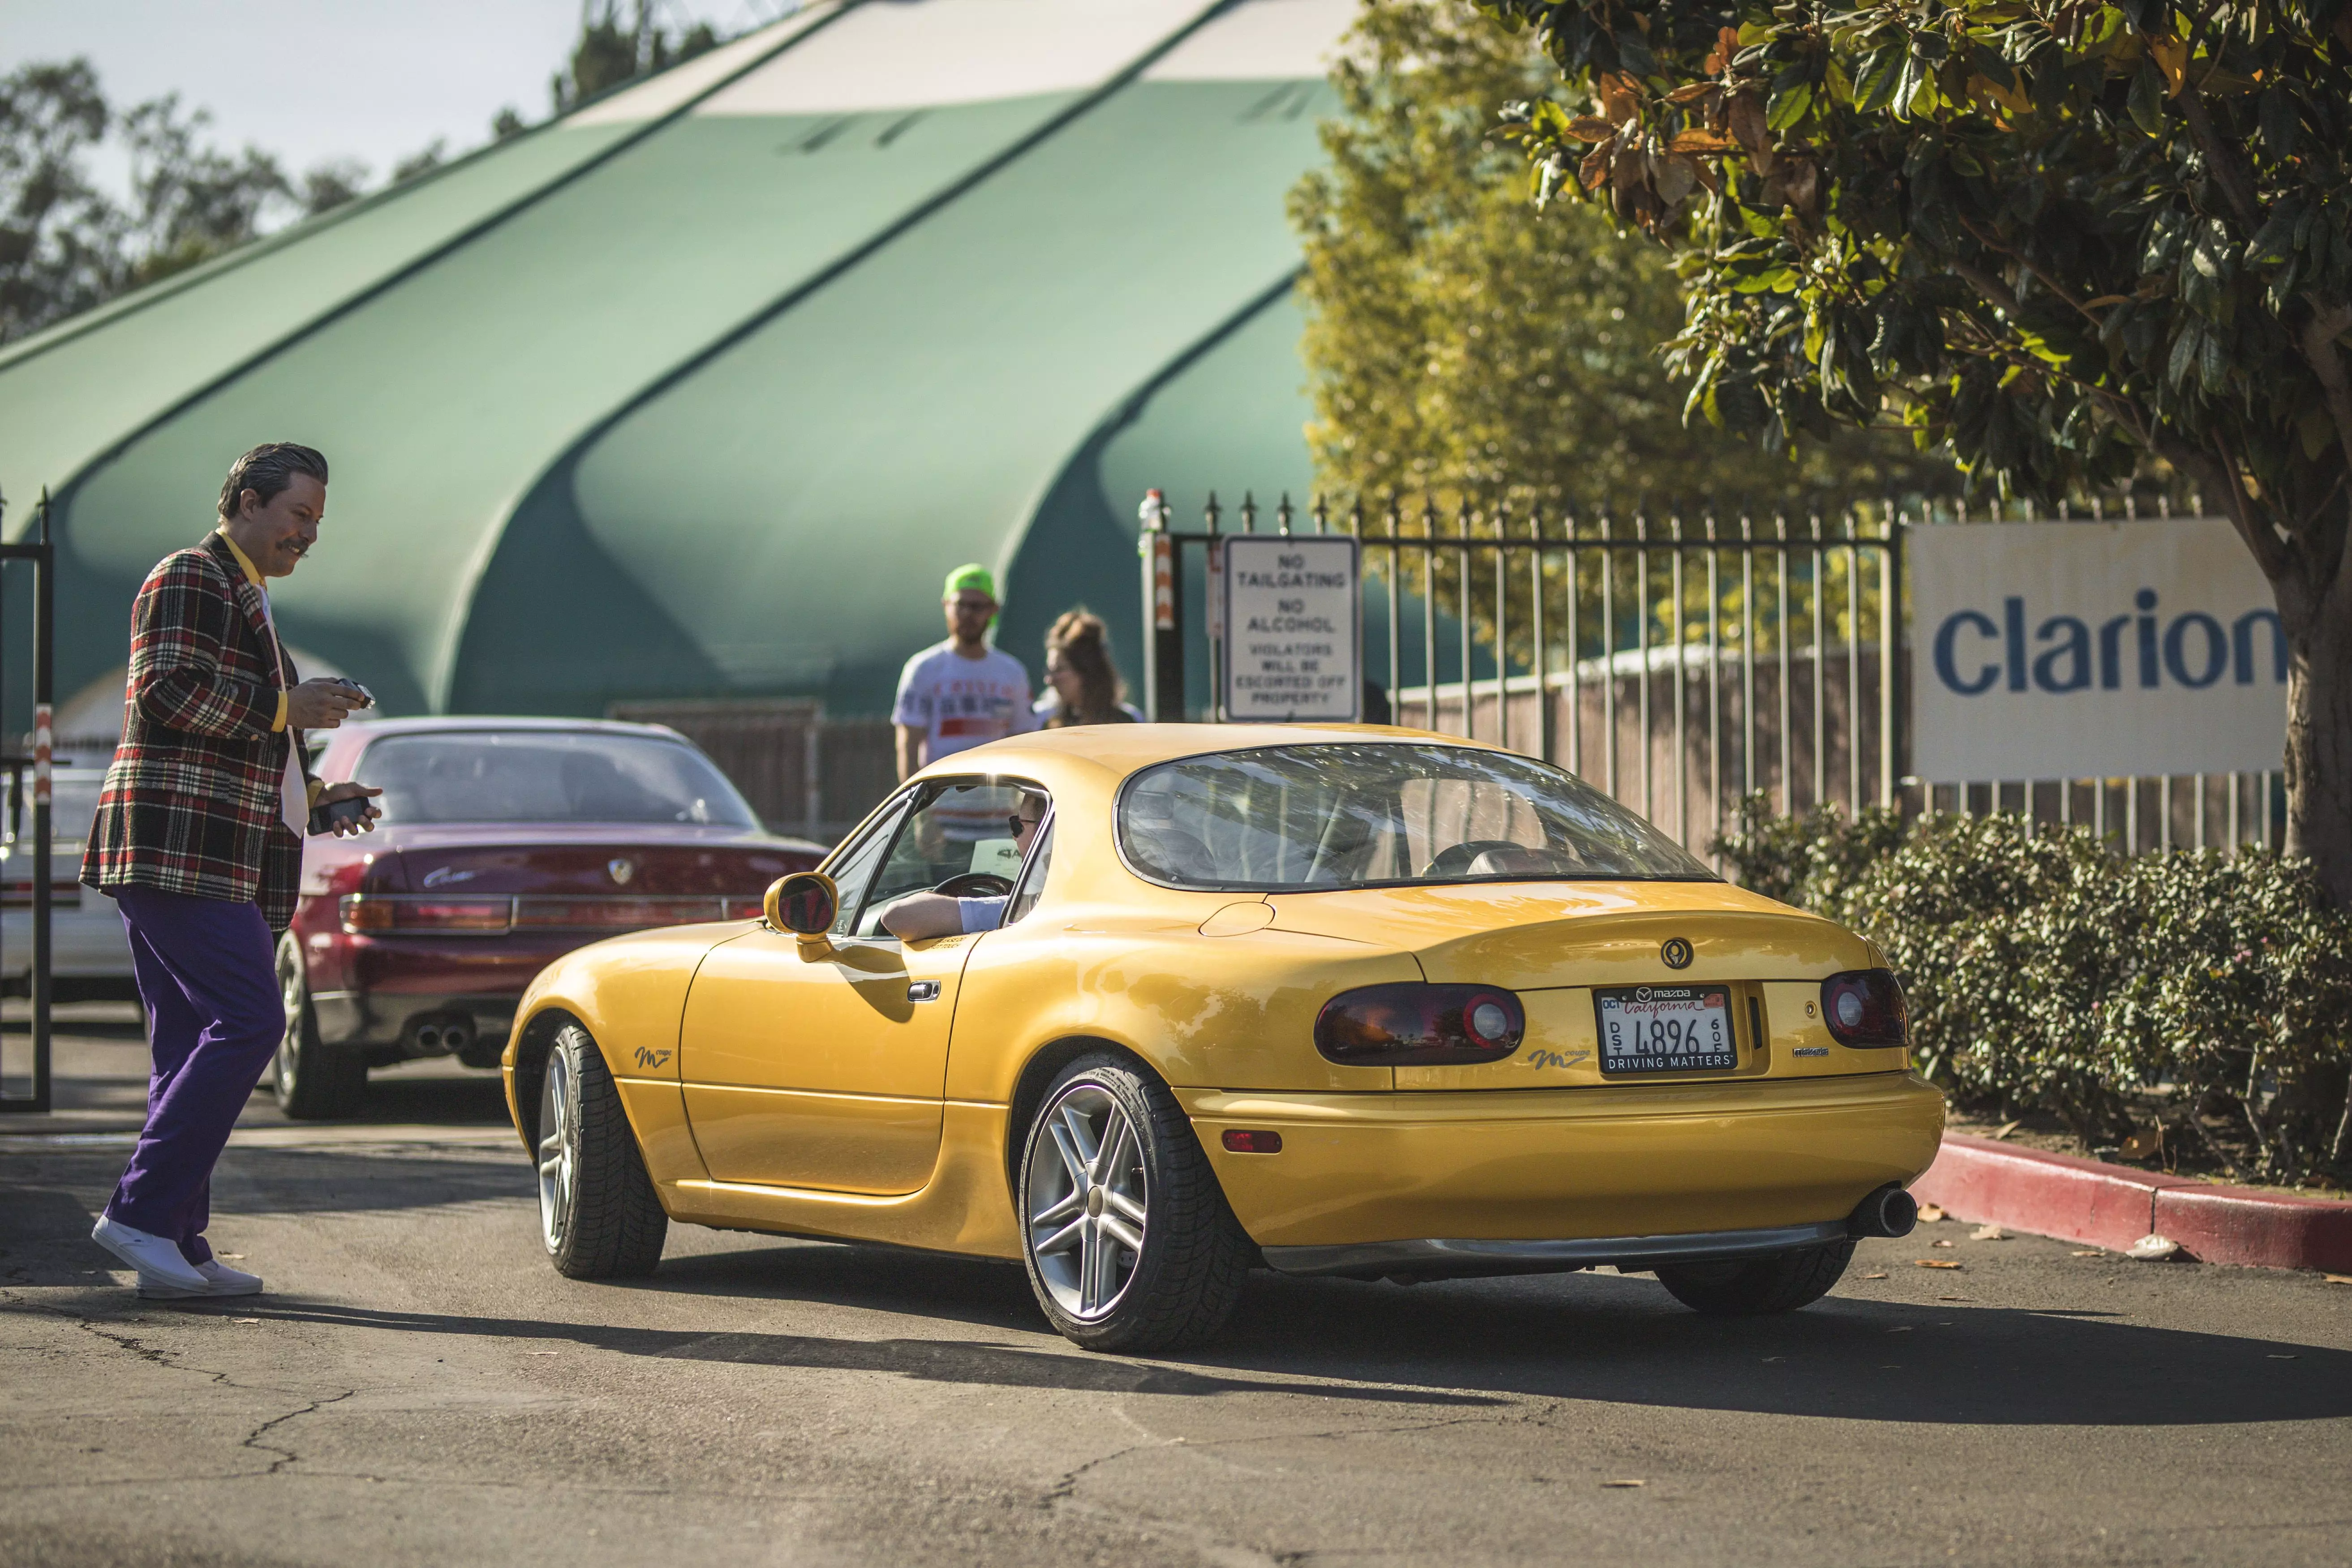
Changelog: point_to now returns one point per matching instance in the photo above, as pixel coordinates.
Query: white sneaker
(151, 1256)
(220, 1279)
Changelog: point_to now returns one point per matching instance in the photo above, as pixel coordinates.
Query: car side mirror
(803, 903)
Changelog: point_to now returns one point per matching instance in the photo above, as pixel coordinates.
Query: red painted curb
(2111, 1206)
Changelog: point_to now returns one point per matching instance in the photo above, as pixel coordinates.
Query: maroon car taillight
(381, 912)
(1863, 1008)
(1414, 1024)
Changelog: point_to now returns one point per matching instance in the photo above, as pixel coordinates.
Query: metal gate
(1677, 663)
(41, 554)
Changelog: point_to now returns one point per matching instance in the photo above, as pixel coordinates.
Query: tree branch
(2230, 175)
(2027, 262)
(2326, 361)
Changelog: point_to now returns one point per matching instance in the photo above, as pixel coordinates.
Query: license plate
(1665, 1028)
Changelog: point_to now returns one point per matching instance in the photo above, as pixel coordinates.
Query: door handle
(922, 991)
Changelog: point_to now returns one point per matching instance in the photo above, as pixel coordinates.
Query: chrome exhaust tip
(1889, 1212)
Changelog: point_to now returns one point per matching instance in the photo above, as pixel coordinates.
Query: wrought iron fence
(1676, 662)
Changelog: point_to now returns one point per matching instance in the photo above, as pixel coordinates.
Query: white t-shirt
(960, 702)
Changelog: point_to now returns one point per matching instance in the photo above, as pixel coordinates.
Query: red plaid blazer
(191, 803)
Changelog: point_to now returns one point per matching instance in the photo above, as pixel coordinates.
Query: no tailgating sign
(2047, 650)
(1292, 633)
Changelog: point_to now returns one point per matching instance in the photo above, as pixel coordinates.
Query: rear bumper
(388, 1019)
(1469, 1259)
(1621, 1163)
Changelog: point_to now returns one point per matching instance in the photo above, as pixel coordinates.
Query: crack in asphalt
(286, 1456)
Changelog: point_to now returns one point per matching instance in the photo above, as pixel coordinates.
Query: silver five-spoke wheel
(1088, 1208)
(558, 1144)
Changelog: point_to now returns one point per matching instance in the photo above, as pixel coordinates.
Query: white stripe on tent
(1261, 40)
(914, 54)
(681, 84)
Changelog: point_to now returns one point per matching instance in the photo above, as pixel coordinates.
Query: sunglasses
(1017, 824)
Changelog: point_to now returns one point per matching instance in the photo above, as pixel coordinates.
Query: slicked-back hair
(267, 469)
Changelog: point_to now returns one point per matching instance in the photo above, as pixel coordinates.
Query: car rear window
(1375, 814)
(548, 775)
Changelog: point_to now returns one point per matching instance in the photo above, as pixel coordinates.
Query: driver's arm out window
(957, 828)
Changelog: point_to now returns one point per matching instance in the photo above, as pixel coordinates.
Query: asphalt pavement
(418, 1386)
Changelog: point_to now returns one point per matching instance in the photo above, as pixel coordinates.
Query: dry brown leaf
(1696, 89)
(2006, 1128)
(1620, 98)
(1624, 1483)
(1882, 1276)
(2088, 1252)
(1951, 1297)
(1726, 48)
(1700, 142)
(2337, 1278)
(1748, 127)
(1595, 167)
(1943, 1244)
(1934, 1263)
(1930, 1213)
(1987, 1233)
(1590, 127)
(2143, 1145)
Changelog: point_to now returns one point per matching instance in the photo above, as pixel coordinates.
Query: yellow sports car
(1342, 1001)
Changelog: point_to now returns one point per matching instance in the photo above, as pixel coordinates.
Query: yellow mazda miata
(1342, 1001)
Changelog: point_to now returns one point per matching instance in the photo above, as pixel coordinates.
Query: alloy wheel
(557, 1146)
(1088, 1206)
(291, 992)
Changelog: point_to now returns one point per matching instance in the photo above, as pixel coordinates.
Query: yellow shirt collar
(252, 576)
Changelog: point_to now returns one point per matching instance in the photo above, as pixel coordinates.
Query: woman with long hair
(1084, 685)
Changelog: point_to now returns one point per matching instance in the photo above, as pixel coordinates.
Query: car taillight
(395, 912)
(1863, 1008)
(1414, 1024)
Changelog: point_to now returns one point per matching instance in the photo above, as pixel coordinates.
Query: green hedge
(2046, 973)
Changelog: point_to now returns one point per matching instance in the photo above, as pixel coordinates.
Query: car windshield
(1300, 817)
(548, 775)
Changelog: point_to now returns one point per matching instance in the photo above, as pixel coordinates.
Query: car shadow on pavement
(1623, 1340)
(925, 1359)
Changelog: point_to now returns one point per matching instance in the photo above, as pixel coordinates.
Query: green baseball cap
(973, 578)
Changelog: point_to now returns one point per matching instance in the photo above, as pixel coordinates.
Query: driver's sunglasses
(1015, 823)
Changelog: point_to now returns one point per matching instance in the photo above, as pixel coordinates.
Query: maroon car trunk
(419, 940)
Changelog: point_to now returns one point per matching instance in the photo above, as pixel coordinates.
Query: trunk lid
(1555, 943)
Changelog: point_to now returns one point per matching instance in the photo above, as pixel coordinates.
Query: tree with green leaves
(1460, 351)
(2060, 236)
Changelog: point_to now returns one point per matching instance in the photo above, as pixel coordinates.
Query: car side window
(1032, 876)
(855, 873)
(961, 837)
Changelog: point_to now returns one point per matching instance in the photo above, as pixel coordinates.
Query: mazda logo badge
(1676, 953)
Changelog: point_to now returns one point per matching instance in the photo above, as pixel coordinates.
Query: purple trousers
(208, 979)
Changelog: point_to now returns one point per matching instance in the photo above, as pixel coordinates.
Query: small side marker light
(1244, 1142)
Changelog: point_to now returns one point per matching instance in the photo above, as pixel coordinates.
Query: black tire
(310, 1081)
(1185, 1278)
(599, 1216)
(1757, 1286)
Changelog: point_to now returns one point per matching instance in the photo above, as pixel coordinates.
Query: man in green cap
(961, 693)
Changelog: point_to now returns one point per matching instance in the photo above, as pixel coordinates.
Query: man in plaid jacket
(198, 839)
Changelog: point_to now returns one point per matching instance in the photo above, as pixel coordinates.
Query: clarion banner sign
(1291, 628)
(2053, 650)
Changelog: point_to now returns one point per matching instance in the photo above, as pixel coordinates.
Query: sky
(316, 80)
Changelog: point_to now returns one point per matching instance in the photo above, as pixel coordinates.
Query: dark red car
(504, 843)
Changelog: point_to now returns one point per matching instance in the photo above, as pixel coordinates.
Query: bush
(2046, 973)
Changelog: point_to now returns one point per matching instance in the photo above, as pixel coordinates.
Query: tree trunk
(2319, 736)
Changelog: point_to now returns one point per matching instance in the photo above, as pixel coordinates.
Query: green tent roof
(698, 391)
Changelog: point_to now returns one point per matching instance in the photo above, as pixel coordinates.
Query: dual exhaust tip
(443, 1035)
(1889, 1212)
